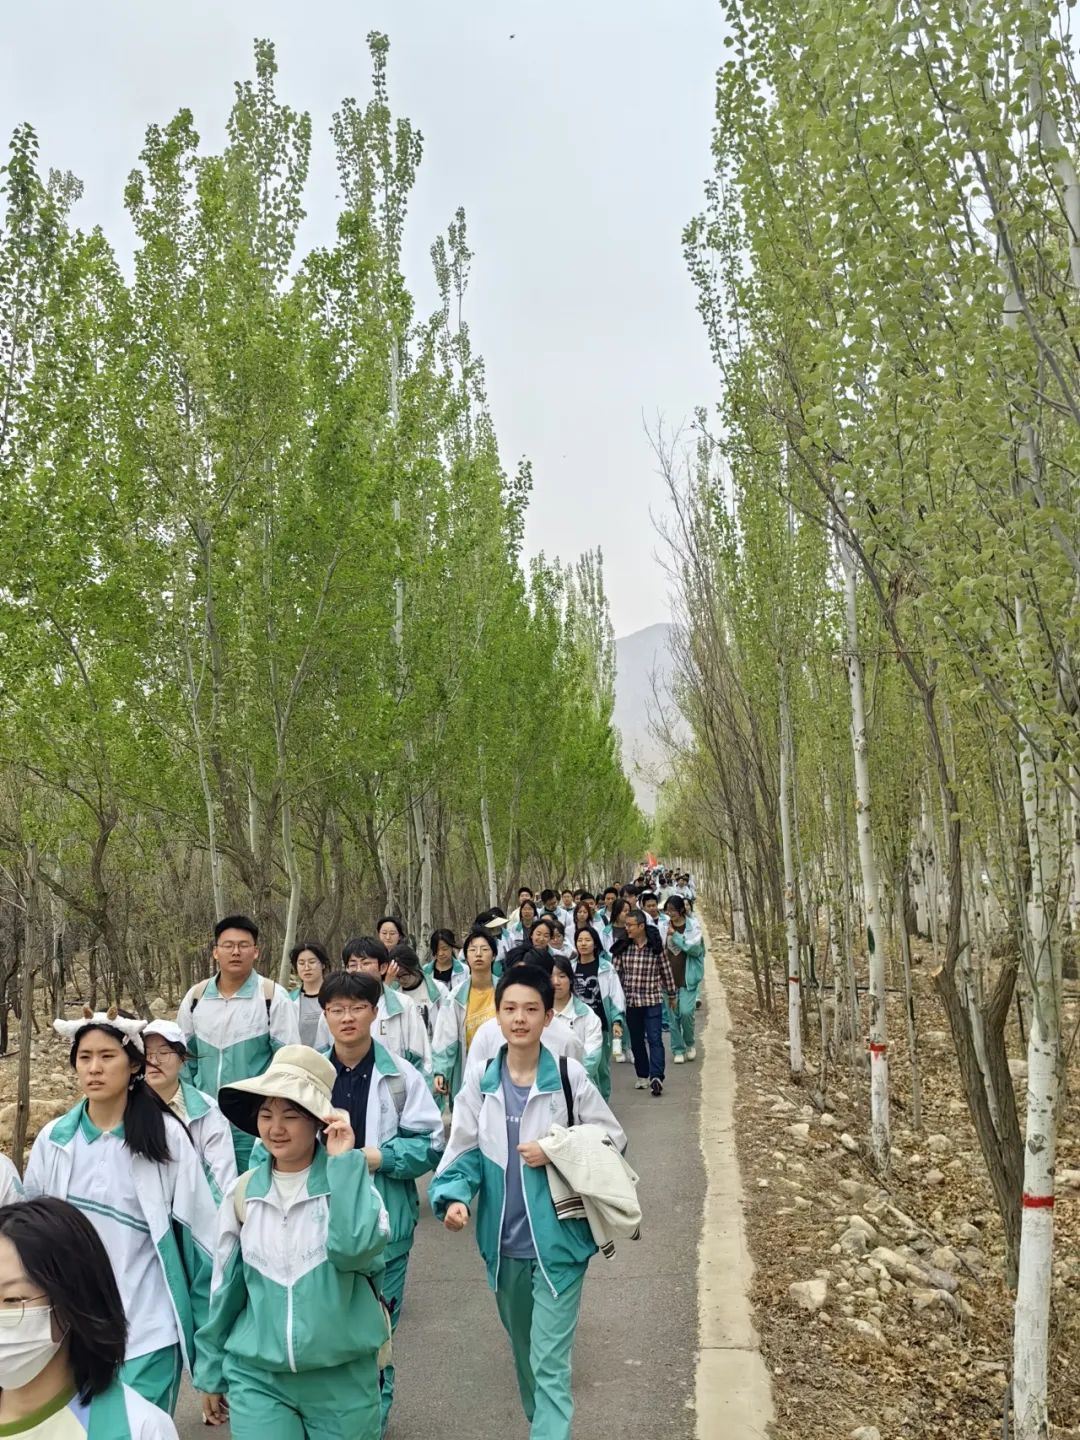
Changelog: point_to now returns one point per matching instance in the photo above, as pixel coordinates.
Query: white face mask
(26, 1348)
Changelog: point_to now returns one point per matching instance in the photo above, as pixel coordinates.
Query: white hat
(168, 1030)
(129, 1030)
(297, 1073)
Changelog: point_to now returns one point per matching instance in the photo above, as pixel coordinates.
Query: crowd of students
(250, 1168)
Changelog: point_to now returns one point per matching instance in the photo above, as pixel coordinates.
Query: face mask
(26, 1348)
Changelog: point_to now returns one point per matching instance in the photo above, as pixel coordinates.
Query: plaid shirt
(646, 978)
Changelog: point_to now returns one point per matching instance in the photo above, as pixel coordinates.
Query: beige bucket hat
(297, 1073)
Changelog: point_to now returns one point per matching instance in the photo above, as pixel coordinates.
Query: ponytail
(144, 1122)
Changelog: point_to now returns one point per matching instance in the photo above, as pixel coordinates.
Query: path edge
(733, 1390)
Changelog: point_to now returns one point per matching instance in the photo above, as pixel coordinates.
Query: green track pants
(541, 1327)
(340, 1402)
(156, 1376)
(682, 1021)
(392, 1286)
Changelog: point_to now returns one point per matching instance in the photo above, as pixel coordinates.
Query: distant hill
(638, 657)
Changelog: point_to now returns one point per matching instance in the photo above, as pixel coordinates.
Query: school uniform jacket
(234, 1039)
(585, 1025)
(296, 1290)
(399, 1027)
(558, 1037)
(474, 1166)
(692, 943)
(118, 1413)
(212, 1134)
(176, 1207)
(411, 1142)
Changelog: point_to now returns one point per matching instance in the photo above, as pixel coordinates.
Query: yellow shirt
(481, 1008)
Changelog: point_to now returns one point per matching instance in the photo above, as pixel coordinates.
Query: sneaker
(691, 1054)
(657, 1087)
(641, 1084)
(679, 1059)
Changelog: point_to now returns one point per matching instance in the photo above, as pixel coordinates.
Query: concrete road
(635, 1356)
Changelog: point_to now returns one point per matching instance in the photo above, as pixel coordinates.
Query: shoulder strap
(239, 1197)
(568, 1093)
(396, 1085)
(268, 995)
(198, 991)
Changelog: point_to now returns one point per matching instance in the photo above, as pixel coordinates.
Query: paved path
(636, 1371)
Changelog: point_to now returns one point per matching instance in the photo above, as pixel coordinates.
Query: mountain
(639, 658)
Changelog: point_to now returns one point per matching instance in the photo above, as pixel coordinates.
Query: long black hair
(145, 1112)
(63, 1256)
(598, 944)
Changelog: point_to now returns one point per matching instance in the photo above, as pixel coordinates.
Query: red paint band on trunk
(1038, 1202)
(877, 1049)
(793, 979)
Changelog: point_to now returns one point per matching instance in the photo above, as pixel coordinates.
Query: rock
(1070, 1179)
(800, 1130)
(869, 1332)
(1018, 1069)
(866, 1432)
(843, 1287)
(41, 1111)
(939, 1144)
(854, 1241)
(945, 1258)
(892, 1261)
(856, 1190)
(809, 1294)
(865, 1274)
(158, 1008)
(849, 1144)
(933, 1177)
(856, 1222)
(941, 1279)
(967, 1231)
(940, 1299)
(829, 1121)
(782, 1107)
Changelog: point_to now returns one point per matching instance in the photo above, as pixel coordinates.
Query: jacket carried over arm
(474, 1166)
(691, 941)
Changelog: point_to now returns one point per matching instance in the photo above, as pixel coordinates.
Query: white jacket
(559, 1038)
(589, 1177)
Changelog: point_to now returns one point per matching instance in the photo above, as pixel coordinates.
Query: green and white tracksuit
(558, 1037)
(448, 1042)
(538, 1299)
(691, 942)
(459, 971)
(234, 1037)
(399, 1027)
(409, 1132)
(158, 1223)
(614, 1003)
(118, 1413)
(295, 1322)
(11, 1187)
(211, 1132)
(585, 1024)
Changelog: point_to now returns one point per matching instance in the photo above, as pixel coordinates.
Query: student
(123, 1158)
(291, 1346)
(394, 1120)
(390, 931)
(685, 947)
(559, 943)
(312, 965)
(467, 1008)
(517, 932)
(524, 893)
(558, 1037)
(444, 967)
(163, 1041)
(579, 1016)
(62, 1332)
(425, 993)
(549, 900)
(646, 977)
(535, 1262)
(610, 895)
(234, 1021)
(541, 935)
(565, 910)
(657, 919)
(596, 982)
(400, 1026)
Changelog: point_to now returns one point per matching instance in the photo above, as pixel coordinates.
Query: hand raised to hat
(339, 1137)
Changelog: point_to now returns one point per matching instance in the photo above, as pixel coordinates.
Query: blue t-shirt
(516, 1241)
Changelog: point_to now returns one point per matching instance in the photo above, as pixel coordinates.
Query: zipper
(528, 1213)
(289, 1327)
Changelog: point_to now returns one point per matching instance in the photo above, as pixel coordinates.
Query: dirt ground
(913, 1358)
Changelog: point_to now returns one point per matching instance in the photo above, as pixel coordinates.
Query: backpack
(385, 1354)
(199, 990)
(567, 1090)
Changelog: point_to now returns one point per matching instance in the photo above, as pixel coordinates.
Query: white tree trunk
(791, 924)
(1032, 1312)
(292, 868)
(875, 935)
(1074, 884)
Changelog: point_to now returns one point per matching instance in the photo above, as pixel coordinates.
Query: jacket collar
(195, 1102)
(547, 1081)
(247, 989)
(262, 1177)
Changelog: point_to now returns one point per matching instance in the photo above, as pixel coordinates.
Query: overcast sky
(574, 132)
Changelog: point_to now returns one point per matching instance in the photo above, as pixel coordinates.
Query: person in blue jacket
(685, 947)
(536, 1263)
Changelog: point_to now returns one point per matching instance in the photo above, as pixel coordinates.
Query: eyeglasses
(232, 947)
(11, 1311)
(347, 1012)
